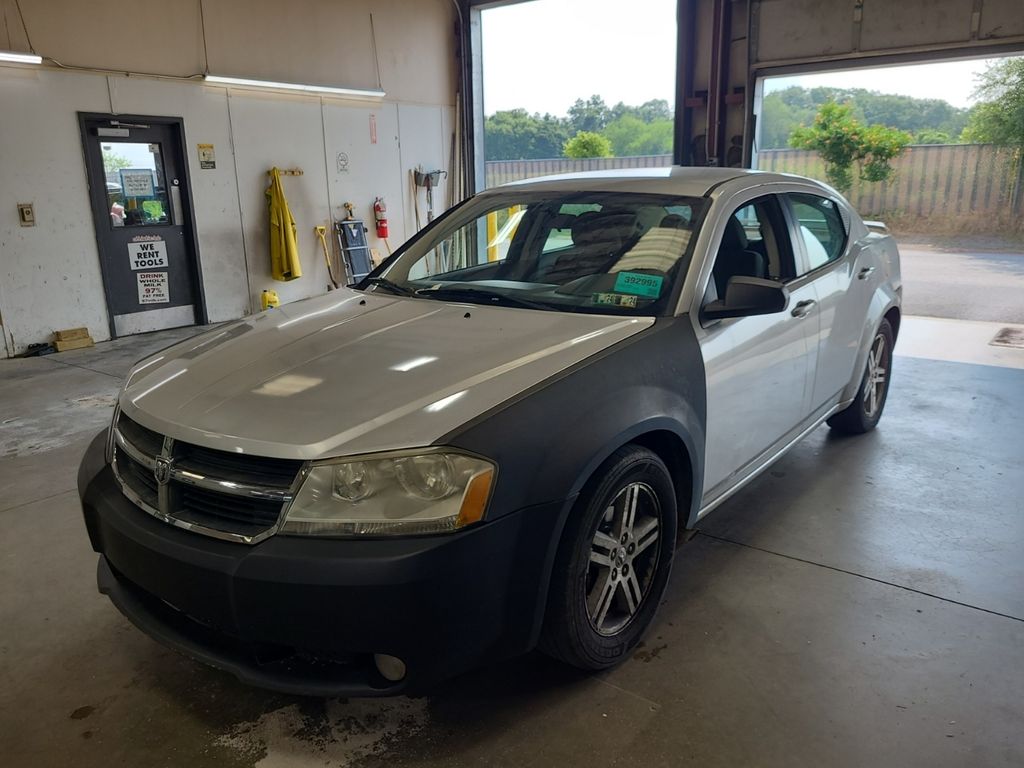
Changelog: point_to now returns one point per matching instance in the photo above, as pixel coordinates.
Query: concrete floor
(861, 604)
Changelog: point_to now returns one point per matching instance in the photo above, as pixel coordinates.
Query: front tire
(613, 563)
(863, 413)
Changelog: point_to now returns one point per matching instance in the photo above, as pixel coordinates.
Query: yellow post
(512, 212)
(492, 233)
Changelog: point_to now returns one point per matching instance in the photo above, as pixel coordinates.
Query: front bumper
(305, 615)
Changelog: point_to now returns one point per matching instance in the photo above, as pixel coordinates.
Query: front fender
(551, 439)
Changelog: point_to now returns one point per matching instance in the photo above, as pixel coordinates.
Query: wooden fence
(941, 187)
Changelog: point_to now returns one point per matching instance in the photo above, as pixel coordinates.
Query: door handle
(864, 273)
(803, 308)
(176, 204)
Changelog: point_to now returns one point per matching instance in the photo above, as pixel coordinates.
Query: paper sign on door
(153, 288)
(147, 255)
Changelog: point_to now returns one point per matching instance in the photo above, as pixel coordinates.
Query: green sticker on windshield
(639, 284)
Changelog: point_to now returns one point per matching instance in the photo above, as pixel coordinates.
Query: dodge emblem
(162, 470)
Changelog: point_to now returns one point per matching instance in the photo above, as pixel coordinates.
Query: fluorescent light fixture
(21, 58)
(359, 93)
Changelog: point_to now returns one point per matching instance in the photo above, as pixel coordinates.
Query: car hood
(350, 373)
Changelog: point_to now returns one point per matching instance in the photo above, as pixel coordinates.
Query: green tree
(630, 136)
(588, 144)
(932, 136)
(113, 161)
(591, 115)
(783, 111)
(842, 140)
(999, 117)
(648, 112)
(517, 135)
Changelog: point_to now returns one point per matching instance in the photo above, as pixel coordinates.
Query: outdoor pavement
(963, 284)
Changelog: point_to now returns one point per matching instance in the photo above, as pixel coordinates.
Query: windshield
(593, 252)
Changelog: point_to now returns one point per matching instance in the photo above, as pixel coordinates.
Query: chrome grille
(226, 495)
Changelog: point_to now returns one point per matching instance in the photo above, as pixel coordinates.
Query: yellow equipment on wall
(284, 247)
(269, 300)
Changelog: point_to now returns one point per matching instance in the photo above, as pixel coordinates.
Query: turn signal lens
(474, 501)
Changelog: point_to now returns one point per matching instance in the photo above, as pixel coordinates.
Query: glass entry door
(140, 202)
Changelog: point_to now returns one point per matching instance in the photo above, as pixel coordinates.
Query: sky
(952, 81)
(543, 55)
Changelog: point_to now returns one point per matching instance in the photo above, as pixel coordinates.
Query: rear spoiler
(877, 226)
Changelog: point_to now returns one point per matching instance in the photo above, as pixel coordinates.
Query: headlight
(397, 494)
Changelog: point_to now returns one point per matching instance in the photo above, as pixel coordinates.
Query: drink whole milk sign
(147, 252)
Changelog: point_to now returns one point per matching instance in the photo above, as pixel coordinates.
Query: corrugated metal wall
(966, 184)
(931, 181)
(503, 171)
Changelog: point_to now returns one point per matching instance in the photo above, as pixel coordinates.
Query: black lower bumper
(304, 615)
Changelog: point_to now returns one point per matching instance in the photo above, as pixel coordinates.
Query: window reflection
(136, 185)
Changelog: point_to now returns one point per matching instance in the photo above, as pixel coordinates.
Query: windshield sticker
(614, 300)
(642, 285)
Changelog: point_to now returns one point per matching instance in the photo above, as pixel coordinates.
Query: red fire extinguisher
(380, 214)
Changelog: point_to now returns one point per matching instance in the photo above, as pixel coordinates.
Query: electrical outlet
(26, 215)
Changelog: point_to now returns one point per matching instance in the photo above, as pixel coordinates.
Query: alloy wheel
(623, 558)
(876, 376)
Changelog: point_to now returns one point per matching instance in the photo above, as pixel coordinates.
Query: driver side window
(754, 244)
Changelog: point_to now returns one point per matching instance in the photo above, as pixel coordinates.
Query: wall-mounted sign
(153, 288)
(373, 129)
(342, 162)
(147, 255)
(137, 182)
(207, 158)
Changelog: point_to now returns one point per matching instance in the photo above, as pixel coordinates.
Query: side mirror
(745, 296)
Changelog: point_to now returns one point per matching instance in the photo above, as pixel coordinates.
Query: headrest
(734, 238)
(611, 228)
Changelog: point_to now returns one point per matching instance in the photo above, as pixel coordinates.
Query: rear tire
(613, 562)
(863, 413)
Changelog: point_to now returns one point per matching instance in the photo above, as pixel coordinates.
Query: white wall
(49, 274)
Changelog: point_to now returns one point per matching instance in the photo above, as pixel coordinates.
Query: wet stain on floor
(334, 733)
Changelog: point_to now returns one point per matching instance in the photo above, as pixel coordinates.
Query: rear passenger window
(821, 228)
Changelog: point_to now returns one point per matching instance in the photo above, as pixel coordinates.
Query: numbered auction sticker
(147, 255)
(153, 288)
(639, 284)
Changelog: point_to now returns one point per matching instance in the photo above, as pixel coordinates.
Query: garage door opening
(952, 172)
(568, 87)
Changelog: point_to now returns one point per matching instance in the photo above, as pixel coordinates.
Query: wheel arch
(673, 445)
(891, 312)
(893, 316)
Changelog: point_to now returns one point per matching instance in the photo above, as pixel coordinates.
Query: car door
(843, 287)
(759, 369)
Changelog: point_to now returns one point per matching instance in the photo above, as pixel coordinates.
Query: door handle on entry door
(176, 203)
(864, 273)
(803, 308)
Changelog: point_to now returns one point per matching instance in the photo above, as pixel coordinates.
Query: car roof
(672, 180)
